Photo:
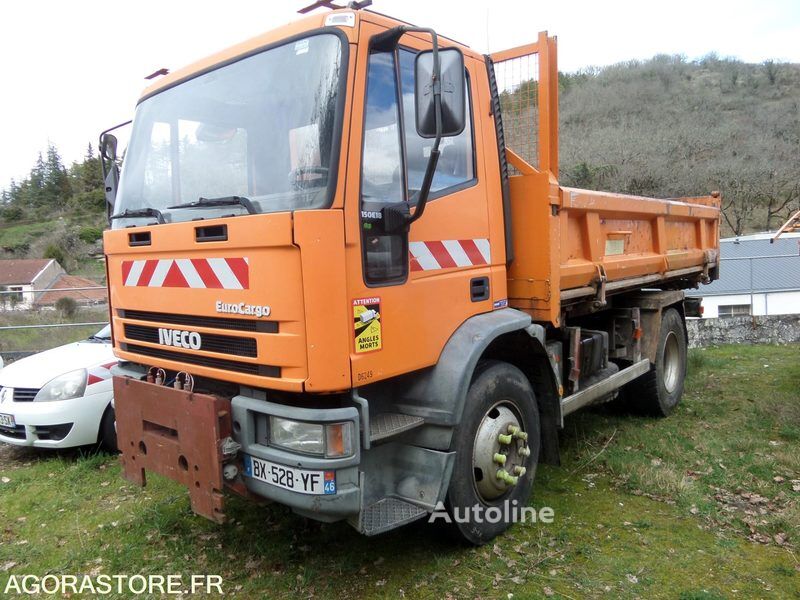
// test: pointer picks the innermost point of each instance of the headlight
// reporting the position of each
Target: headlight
(66, 386)
(332, 440)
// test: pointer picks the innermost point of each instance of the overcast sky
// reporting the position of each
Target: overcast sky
(72, 69)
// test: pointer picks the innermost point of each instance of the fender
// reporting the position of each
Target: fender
(438, 394)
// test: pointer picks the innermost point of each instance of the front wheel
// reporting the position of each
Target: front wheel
(108, 430)
(497, 449)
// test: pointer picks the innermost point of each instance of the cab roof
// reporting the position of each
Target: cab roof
(295, 28)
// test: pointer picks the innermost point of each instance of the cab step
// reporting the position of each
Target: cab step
(388, 513)
(385, 425)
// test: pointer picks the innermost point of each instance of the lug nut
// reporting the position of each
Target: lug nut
(506, 477)
(513, 429)
(521, 435)
(520, 471)
(504, 439)
(524, 451)
(499, 458)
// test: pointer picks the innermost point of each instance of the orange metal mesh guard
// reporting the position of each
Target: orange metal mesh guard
(176, 434)
(527, 81)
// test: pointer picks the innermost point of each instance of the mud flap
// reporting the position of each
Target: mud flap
(174, 433)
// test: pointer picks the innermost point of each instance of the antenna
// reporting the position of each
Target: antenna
(160, 72)
(319, 4)
(330, 5)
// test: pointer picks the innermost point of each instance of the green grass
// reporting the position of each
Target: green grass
(91, 268)
(15, 340)
(14, 236)
(643, 509)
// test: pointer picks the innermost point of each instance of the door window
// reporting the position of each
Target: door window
(394, 160)
(383, 163)
(456, 164)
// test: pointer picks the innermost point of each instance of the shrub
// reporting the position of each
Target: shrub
(53, 251)
(90, 234)
(12, 213)
(66, 306)
(94, 200)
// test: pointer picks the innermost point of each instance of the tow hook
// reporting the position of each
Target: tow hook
(230, 471)
(230, 448)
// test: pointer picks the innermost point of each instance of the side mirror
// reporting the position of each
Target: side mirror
(108, 161)
(108, 147)
(453, 94)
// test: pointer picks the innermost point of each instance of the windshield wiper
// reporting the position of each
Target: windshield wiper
(140, 212)
(222, 201)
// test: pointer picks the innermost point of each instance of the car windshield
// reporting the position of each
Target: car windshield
(262, 129)
(103, 334)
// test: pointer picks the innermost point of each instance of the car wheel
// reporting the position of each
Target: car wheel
(108, 430)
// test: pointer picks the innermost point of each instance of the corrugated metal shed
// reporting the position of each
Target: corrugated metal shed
(751, 264)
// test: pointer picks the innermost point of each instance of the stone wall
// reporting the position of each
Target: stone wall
(775, 329)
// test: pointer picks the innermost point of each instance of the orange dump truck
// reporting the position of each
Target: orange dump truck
(343, 277)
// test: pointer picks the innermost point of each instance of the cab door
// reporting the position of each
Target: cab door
(410, 290)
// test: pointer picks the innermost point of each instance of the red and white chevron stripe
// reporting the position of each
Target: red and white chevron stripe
(446, 254)
(100, 373)
(215, 273)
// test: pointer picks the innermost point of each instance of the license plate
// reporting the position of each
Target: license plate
(7, 421)
(289, 478)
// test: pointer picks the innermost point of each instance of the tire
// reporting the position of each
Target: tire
(108, 431)
(659, 391)
(499, 395)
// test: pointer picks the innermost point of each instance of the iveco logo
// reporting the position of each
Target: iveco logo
(180, 339)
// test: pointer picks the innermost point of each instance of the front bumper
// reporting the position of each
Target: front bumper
(187, 437)
(36, 421)
(200, 441)
(250, 418)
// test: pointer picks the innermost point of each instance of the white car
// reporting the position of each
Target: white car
(60, 398)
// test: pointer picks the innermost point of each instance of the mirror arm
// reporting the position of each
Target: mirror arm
(107, 170)
(433, 160)
(387, 42)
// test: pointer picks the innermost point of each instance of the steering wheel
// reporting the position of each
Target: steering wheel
(297, 177)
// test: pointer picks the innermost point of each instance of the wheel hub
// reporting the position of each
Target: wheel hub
(672, 360)
(501, 452)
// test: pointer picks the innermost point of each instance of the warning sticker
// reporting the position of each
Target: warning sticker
(367, 324)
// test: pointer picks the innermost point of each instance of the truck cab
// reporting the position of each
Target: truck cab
(317, 277)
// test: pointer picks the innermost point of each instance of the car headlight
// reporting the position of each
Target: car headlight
(66, 386)
(331, 440)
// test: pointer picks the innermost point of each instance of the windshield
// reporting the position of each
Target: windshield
(263, 128)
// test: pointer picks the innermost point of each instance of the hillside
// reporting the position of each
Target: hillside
(56, 212)
(669, 127)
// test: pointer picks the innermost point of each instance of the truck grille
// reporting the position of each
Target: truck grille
(204, 361)
(257, 325)
(212, 342)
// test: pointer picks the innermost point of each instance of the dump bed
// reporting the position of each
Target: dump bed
(571, 245)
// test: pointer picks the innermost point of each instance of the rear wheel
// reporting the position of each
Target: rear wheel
(497, 449)
(108, 430)
(659, 391)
